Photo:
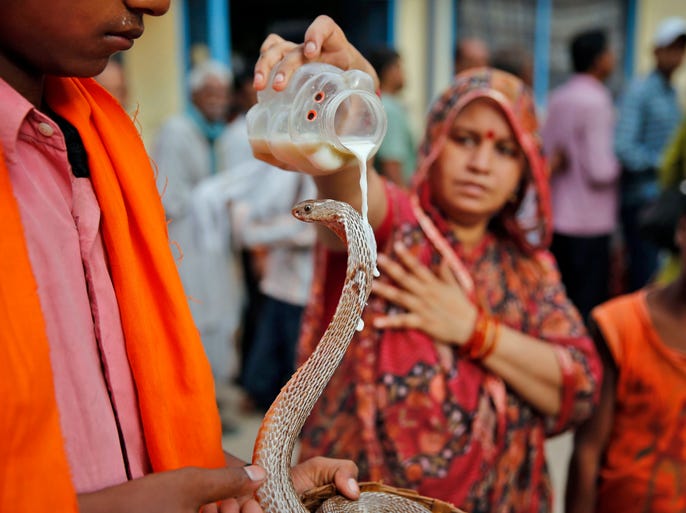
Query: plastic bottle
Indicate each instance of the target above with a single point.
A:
(325, 119)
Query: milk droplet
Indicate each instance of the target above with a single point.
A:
(360, 325)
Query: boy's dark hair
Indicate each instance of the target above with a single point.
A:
(381, 58)
(586, 47)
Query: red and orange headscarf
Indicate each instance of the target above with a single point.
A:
(529, 230)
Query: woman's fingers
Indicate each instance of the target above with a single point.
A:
(324, 42)
(273, 50)
(432, 302)
(270, 42)
(409, 273)
(407, 320)
(398, 274)
(287, 56)
(412, 264)
(406, 300)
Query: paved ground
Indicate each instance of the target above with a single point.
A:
(239, 441)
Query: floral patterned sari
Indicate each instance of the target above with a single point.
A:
(414, 416)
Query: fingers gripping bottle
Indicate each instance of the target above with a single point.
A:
(324, 120)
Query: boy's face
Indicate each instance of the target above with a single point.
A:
(68, 37)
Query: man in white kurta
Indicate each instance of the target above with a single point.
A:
(185, 156)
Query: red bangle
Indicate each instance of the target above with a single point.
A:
(476, 340)
(483, 339)
(491, 340)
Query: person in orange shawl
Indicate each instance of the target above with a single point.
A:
(107, 397)
(630, 456)
(471, 354)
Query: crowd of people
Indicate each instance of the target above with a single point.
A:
(133, 286)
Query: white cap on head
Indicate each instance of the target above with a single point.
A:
(668, 31)
(208, 69)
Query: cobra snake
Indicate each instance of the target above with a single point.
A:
(285, 418)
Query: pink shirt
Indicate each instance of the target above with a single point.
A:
(580, 121)
(94, 387)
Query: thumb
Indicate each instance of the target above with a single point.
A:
(229, 482)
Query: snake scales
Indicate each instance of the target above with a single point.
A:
(285, 418)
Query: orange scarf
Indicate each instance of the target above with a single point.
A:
(173, 379)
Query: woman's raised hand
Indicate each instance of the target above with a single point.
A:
(434, 304)
(324, 42)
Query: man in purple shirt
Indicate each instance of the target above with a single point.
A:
(578, 139)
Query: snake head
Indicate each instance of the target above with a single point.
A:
(324, 211)
(305, 210)
(330, 213)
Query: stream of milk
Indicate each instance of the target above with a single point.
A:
(362, 149)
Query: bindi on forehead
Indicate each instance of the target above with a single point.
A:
(489, 135)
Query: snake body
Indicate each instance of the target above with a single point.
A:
(285, 418)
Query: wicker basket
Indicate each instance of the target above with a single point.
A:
(315, 497)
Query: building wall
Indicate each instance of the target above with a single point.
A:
(411, 37)
(441, 20)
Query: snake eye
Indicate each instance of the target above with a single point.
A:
(312, 115)
(308, 209)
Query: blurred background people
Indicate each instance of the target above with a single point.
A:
(630, 456)
(263, 220)
(113, 78)
(185, 155)
(471, 52)
(233, 146)
(233, 151)
(274, 250)
(397, 156)
(516, 60)
(243, 94)
(649, 113)
(578, 139)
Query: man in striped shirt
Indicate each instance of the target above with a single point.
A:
(649, 113)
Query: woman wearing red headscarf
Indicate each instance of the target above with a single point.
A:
(471, 353)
